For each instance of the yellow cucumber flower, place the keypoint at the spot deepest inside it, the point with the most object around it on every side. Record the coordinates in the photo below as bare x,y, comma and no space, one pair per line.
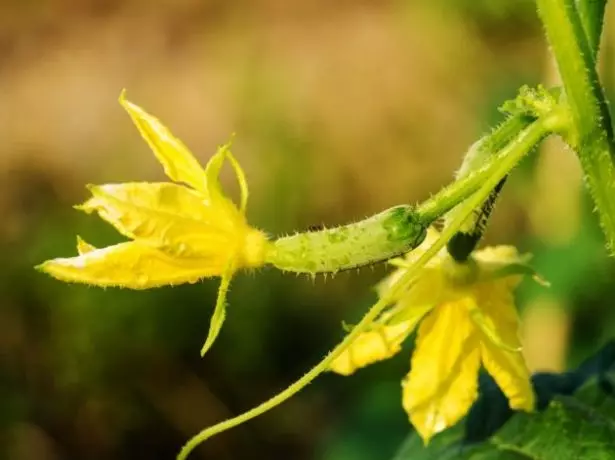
467,318
180,231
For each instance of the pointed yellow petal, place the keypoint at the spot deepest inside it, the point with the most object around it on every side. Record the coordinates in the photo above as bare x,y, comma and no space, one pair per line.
421,296
504,262
372,346
486,325
507,368
83,247
132,265
443,337
498,254
178,162
217,319
167,215
212,173
453,398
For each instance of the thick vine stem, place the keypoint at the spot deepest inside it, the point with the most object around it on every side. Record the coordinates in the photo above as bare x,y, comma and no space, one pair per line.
591,13
465,240
529,105
397,230
475,170
591,135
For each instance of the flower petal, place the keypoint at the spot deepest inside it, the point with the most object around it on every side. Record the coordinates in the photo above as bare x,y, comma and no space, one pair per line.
132,265
441,342
453,398
508,368
504,262
372,346
212,172
499,254
217,319
487,327
166,214
178,162
83,247
429,274
422,295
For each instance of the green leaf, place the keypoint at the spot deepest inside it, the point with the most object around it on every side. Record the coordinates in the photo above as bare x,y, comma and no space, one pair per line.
570,427
600,400
444,446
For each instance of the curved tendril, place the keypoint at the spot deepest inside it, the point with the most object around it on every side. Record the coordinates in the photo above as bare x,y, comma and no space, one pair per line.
322,366
518,148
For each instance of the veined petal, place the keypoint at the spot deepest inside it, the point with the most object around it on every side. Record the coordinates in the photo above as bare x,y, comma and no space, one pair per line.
485,324
132,265
166,214
441,342
453,398
178,162
508,368
372,346
422,295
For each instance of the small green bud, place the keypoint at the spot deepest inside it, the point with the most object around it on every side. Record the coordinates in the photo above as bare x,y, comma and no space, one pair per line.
534,102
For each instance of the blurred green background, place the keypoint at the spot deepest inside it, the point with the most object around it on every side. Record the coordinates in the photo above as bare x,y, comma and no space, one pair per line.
340,109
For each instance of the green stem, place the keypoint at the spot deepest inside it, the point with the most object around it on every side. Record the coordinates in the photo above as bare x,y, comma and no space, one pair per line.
576,66
394,231
591,14
592,135
516,150
473,173
467,238
484,149
454,194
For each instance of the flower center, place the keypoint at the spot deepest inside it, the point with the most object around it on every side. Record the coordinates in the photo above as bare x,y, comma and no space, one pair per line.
254,248
459,274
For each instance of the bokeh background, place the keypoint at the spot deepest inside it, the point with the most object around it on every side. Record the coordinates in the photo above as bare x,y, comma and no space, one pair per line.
340,109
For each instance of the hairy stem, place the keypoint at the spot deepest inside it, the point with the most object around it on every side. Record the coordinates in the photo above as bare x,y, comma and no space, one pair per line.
482,152
397,230
525,142
481,159
591,14
592,135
